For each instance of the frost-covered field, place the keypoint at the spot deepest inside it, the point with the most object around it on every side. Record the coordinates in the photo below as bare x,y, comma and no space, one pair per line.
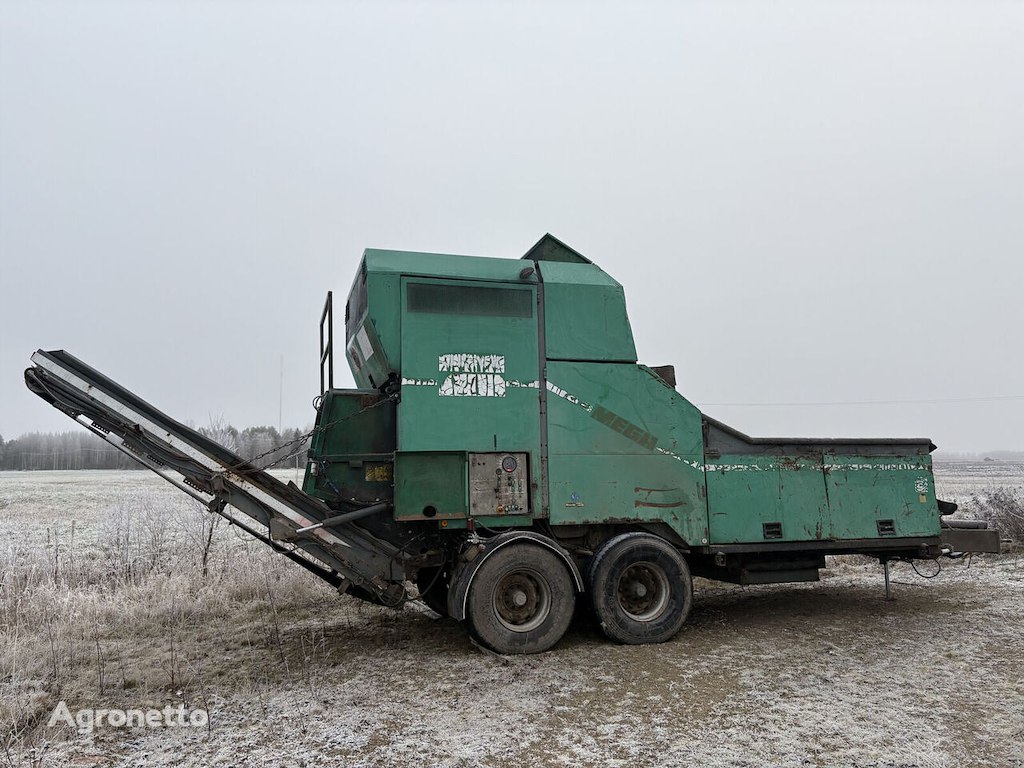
115,592
958,481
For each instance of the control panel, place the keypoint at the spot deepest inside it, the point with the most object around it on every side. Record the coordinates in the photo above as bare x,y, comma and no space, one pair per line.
498,484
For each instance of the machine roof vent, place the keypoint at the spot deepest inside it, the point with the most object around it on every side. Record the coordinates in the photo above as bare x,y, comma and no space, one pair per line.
550,248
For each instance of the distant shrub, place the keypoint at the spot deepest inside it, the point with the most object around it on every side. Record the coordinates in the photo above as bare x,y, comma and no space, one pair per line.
1003,508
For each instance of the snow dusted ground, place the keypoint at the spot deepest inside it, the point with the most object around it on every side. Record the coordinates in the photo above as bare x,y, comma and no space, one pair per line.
958,481
826,674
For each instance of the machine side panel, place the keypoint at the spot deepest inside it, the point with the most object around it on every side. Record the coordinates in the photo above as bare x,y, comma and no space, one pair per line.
767,497
624,446
867,491
757,497
352,447
585,315
384,291
470,369
430,486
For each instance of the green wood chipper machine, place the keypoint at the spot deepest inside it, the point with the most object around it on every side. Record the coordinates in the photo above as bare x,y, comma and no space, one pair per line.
505,453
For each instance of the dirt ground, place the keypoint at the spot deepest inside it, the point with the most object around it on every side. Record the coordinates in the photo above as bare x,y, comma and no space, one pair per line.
825,674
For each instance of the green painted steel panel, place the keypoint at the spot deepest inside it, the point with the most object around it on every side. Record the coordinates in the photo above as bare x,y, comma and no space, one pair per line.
550,248
613,391
426,481
624,446
382,271
442,265
576,274
628,488
747,491
837,498
385,313
353,447
803,498
865,489
585,315
469,382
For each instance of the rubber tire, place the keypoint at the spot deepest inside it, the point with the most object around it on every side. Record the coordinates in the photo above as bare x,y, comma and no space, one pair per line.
606,568
481,615
434,589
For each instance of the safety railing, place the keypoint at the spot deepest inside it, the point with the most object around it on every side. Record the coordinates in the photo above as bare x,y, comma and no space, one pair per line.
327,344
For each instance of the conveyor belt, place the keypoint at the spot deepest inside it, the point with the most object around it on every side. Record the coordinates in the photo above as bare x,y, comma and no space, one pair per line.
342,552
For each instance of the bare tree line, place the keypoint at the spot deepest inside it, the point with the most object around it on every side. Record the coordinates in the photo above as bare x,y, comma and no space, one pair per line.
84,450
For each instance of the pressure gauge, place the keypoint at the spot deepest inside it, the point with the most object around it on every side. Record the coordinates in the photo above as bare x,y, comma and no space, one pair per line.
509,464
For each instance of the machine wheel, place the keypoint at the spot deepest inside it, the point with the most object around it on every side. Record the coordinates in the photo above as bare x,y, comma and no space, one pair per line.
640,588
433,586
521,600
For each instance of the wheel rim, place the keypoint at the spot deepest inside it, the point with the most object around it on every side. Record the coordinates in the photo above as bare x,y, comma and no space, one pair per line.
522,600
643,591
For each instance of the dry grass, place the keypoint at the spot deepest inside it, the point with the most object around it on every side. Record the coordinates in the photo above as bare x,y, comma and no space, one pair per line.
1003,508
140,602
120,612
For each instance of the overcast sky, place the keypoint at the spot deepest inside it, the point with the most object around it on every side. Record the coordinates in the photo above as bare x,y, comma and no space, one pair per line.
807,202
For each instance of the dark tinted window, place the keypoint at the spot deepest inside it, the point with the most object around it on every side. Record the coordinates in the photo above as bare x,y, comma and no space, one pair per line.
469,300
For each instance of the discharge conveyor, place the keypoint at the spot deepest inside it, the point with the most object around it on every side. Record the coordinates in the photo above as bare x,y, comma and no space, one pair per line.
300,527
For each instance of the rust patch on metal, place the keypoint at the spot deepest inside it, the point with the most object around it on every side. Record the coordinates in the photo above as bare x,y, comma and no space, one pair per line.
664,498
